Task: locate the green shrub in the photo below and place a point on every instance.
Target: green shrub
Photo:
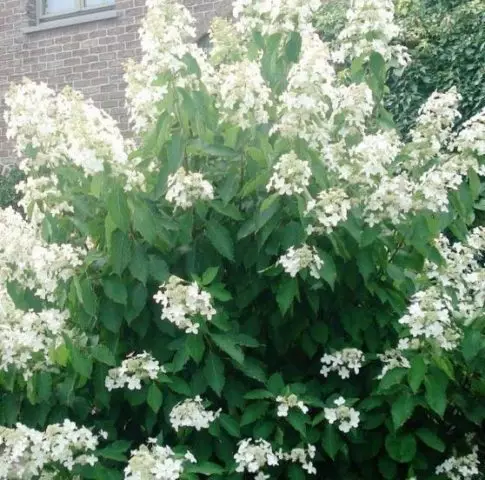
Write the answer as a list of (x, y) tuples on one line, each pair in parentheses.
[(272, 281), (8, 196)]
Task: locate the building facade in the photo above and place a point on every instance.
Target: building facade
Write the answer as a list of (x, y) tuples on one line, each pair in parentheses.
[(81, 43)]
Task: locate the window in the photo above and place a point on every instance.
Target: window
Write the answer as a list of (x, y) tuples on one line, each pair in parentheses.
[(48, 9)]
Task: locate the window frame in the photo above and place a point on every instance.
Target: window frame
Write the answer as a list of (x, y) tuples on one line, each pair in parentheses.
[(79, 11)]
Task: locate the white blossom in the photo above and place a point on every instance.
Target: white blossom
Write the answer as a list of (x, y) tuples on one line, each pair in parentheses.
[(460, 468), (275, 16), (291, 175), (346, 417), (330, 208), (393, 358), (180, 301), (471, 137), (192, 413), (298, 259), (26, 258), (370, 28), (343, 362), (156, 462), (285, 402), (132, 371), (26, 452), (303, 456), (242, 96), (186, 188), (254, 455)]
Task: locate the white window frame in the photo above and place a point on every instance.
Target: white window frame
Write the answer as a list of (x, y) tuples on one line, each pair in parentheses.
[(81, 9)]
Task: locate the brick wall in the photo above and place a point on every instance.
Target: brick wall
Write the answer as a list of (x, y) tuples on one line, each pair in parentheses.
[(87, 56)]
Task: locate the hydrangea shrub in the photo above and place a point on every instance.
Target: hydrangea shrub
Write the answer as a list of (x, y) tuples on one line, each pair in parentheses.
[(270, 283)]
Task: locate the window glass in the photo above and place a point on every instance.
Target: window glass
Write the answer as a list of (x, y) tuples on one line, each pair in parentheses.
[(60, 6), (98, 3)]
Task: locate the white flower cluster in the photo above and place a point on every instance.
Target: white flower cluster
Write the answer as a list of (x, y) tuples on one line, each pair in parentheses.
[(65, 129), (26, 452), (304, 457), (186, 188), (152, 461), (28, 338), (285, 402), (180, 301), (192, 413), (460, 468), (254, 455), (343, 362), (346, 417), (298, 259), (275, 16), (433, 126), (393, 358), (330, 208), (303, 108), (27, 259), (429, 317), (291, 175), (242, 96), (166, 34), (471, 137), (133, 370), (456, 296), (370, 28), (226, 42)]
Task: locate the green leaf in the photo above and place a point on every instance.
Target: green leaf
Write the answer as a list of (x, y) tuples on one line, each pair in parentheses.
[(391, 378), (110, 315), (227, 344), (115, 451), (144, 221), (435, 385), (253, 412), (230, 425), (118, 208), (331, 441), (276, 384), (139, 264), (80, 362), (472, 344), (259, 394), (205, 468), (154, 397), (209, 275), (120, 251), (293, 47), (297, 419), (103, 354), (329, 271), (115, 289), (416, 373), (158, 268), (220, 238), (401, 448), (287, 292), (214, 373), (402, 409), (86, 295), (431, 439), (195, 346)]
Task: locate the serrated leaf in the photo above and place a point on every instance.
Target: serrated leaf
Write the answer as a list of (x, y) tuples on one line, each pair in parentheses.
[(118, 208), (435, 385), (196, 347), (402, 409), (154, 397), (259, 394), (120, 251), (80, 362), (431, 439), (220, 238), (416, 373), (331, 441), (230, 425), (214, 372), (401, 448), (253, 412), (103, 354), (139, 264), (227, 345), (287, 293), (115, 290), (209, 275)]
